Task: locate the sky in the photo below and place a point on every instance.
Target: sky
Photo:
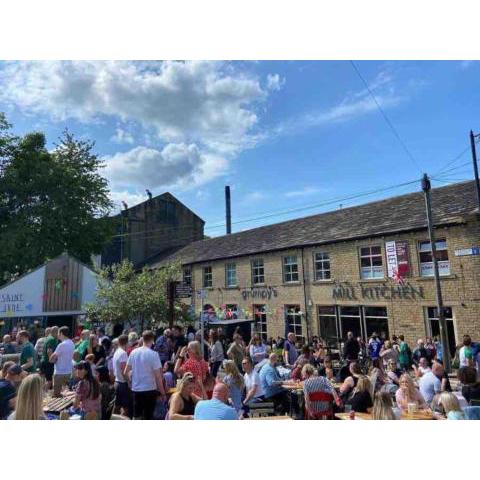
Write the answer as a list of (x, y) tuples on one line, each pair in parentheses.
[(291, 138)]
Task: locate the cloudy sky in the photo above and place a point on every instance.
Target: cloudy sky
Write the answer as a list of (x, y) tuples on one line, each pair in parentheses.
[(284, 135)]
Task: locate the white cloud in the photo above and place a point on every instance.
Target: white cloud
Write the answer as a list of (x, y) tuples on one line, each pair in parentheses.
[(353, 105), (122, 136), (274, 82), (129, 198), (202, 114), (253, 197), (304, 192)]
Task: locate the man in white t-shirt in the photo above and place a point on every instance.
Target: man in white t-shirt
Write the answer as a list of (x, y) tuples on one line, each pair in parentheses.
[(253, 385), (144, 369), (62, 357), (123, 394)]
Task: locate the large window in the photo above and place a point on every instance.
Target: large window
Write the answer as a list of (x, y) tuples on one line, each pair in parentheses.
[(260, 313), (376, 320), (258, 272), (230, 275), (371, 262), (293, 319), (426, 258), (187, 276), (290, 269), (322, 266), (207, 277), (350, 321), (433, 326), (327, 323)]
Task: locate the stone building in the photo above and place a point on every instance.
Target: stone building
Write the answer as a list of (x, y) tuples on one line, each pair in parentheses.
[(365, 268), (151, 229)]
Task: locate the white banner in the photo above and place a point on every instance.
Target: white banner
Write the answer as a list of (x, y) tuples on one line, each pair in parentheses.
[(392, 261)]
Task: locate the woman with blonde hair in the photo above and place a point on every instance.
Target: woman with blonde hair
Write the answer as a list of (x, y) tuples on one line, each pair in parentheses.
[(183, 401), (234, 381), (382, 407), (191, 360), (450, 406), (29, 404), (361, 400), (409, 393)]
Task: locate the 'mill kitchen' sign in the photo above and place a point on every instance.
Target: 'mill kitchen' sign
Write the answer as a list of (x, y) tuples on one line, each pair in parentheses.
[(347, 291)]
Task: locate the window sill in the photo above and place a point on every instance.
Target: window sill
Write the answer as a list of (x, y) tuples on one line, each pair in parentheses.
[(320, 282), (291, 284), (373, 280), (236, 287), (256, 285), (442, 277)]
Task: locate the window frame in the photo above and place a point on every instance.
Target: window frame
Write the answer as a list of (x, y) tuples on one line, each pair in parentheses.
[(420, 252), (371, 256), (322, 261), (260, 320), (204, 273), (189, 276), (253, 268), (296, 316), (292, 272), (235, 284)]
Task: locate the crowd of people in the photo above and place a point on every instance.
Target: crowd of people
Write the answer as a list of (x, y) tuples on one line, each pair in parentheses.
[(168, 375)]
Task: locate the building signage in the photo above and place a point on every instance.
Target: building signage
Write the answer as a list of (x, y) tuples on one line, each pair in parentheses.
[(12, 302), (259, 292), (467, 251), (426, 268), (397, 258), (347, 291), (182, 290)]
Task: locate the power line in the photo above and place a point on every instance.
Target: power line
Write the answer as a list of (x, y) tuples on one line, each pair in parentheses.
[(385, 117), (451, 162), (294, 210)]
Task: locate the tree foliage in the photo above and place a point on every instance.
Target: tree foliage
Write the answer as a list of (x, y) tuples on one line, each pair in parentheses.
[(125, 295), (50, 201)]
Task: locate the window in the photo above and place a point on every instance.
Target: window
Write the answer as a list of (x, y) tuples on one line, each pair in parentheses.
[(350, 321), (260, 313), (426, 259), (290, 269), (207, 277), (231, 312), (327, 323), (322, 266), (376, 320), (433, 326), (187, 276), (258, 272), (230, 275), (371, 262), (293, 320)]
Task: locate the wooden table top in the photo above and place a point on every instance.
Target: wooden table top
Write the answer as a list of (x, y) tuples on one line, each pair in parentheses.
[(279, 417), (420, 415), (289, 385)]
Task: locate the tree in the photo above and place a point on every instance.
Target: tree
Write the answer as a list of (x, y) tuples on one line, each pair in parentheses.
[(50, 202), (125, 295)]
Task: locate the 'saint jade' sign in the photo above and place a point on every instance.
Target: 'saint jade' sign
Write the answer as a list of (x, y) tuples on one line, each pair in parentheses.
[(346, 291)]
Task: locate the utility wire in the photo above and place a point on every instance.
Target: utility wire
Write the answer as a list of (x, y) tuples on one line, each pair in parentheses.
[(285, 212), (451, 162), (385, 117)]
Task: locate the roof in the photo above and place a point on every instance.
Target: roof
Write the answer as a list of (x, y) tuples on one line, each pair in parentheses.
[(450, 204)]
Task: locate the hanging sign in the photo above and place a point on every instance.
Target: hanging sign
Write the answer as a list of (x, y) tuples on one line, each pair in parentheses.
[(397, 259)]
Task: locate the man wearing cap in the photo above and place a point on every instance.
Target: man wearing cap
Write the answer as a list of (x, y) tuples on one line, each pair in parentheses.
[(8, 391)]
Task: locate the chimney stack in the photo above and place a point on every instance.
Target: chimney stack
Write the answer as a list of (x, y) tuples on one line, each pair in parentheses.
[(228, 210)]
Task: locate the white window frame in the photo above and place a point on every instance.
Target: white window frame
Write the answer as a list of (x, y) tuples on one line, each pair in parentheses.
[(373, 272), (261, 324), (319, 274), (187, 277), (297, 317), (208, 275), (255, 269), (228, 275), (290, 269), (426, 268)]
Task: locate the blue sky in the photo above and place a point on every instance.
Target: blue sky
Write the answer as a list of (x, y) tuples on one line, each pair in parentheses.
[(283, 134)]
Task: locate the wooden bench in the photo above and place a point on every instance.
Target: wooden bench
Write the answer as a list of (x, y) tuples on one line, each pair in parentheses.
[(262, 409)]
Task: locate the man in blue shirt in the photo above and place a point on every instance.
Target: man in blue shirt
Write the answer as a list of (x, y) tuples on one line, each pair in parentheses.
[(8, 391), (374, 346), (430, 383), (270, 381), (216, 408)]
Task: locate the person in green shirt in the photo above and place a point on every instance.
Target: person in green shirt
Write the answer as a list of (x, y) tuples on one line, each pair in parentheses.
[(404, 354), (27, 355), (50, 345), (82, 346)]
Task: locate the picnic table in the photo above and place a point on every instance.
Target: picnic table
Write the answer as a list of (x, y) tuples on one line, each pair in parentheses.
[(420, 415), (56, 405)]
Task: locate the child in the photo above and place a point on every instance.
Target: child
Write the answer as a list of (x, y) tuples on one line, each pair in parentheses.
[(168, 375)]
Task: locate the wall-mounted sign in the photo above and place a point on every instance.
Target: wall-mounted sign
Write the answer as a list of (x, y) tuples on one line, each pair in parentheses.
[(348, 291), (426, 268), (397, 259), (467, 251), (259, 292)]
